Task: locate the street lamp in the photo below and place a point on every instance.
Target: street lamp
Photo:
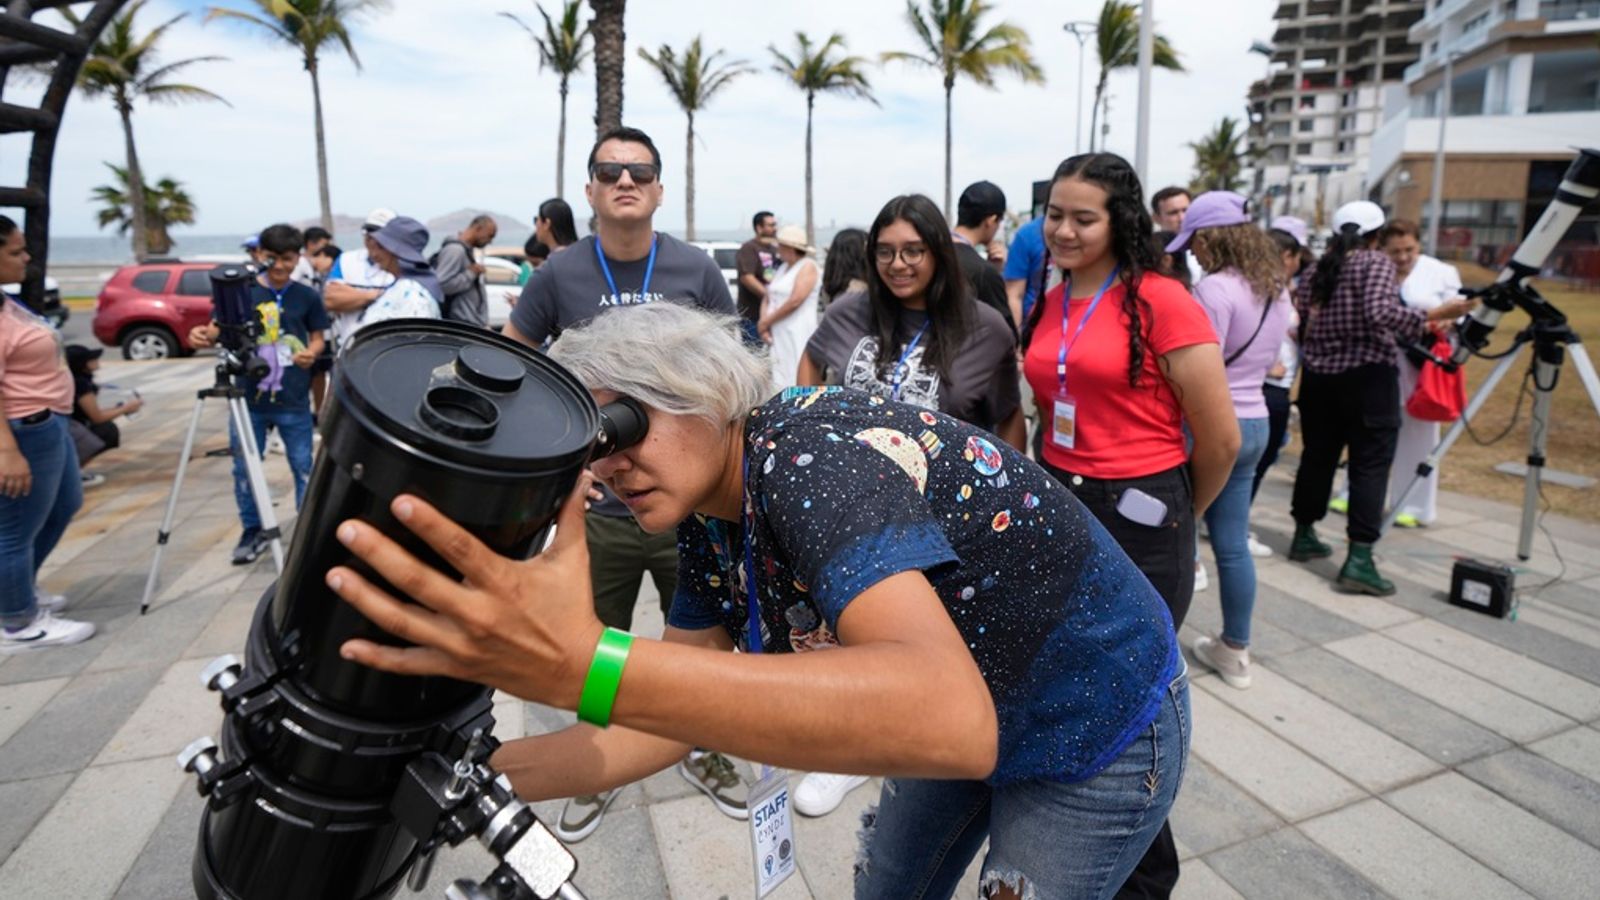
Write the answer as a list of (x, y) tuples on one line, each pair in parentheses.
[(1147, 37), (1082, 31), (1436, 201)]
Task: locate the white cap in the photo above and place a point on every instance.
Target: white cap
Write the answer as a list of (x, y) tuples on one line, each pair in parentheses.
[(378, 218), (1364, 214)]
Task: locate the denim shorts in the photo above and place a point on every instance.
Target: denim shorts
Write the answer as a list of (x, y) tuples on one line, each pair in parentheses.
[(1046, 839)]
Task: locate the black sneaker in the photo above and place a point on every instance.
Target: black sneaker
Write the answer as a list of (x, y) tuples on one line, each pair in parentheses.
[(249, 547)]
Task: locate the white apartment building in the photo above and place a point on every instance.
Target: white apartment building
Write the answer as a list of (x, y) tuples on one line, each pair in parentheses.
[(1524, 90)]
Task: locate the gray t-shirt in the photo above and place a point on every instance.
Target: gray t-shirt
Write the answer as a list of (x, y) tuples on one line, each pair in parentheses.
[(983, 387), (570, 289)]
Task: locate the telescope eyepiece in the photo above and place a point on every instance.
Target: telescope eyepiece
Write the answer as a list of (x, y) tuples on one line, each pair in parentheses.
[(623, 423)]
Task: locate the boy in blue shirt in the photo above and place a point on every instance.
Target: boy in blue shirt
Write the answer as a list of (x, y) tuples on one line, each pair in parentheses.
[(292, 319)]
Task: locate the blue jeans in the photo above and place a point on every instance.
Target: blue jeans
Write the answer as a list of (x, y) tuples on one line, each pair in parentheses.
[(30, 526), (294, 426), (1228, 517), (1046, 839)]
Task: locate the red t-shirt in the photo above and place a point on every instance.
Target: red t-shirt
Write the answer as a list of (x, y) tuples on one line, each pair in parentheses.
[(1121, 432)]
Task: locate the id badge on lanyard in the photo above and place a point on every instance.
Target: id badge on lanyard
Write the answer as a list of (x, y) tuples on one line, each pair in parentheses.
[(771, 817), (1064, 420)]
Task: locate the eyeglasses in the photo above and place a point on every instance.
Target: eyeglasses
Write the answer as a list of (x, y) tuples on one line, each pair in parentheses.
[(911, 254), (611, 172)]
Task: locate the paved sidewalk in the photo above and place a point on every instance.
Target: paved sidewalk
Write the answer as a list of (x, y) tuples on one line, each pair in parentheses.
[(1396, 747)]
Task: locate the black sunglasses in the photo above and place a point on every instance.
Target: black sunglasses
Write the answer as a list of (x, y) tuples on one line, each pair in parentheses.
[(611, 172)]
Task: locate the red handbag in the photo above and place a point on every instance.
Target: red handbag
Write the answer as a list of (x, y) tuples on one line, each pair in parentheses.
[(1441, 393)]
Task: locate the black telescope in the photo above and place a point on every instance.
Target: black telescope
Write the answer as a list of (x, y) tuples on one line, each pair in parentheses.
[(334, 780)]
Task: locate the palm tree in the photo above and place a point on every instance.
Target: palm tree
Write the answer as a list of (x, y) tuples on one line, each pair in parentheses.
[(1117, 40), (694, 79), (818, 70), (954, 43), (610, 51), (123, 65), (1218, 158), (166, 204), (562, 49), (308, 26)]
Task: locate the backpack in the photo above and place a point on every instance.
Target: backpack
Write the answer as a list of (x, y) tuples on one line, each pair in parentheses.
[(433, 263)]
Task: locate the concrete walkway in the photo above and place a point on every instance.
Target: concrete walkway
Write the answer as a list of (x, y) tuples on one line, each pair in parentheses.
[(1397, 747)]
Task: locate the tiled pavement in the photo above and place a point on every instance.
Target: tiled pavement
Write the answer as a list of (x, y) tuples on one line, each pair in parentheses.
[(1395, 747)]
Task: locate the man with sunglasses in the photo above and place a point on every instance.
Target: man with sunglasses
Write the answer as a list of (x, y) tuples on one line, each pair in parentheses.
[(624, 263)]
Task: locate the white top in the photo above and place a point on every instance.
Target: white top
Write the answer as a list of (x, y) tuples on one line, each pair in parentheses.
[(355, 269), (790, 334), (405, 299), (1430, 283)]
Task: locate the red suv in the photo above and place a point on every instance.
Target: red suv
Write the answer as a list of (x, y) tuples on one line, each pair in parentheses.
[(148, 308)]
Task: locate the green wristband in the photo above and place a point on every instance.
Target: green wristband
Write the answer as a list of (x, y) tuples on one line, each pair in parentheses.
[(605, 675)]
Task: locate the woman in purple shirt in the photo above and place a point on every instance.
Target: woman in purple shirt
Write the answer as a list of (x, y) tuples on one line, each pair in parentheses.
[(1244, 292)]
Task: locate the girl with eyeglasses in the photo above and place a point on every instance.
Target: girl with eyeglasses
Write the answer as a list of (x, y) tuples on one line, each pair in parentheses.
[(1120, 358), (917, 335)]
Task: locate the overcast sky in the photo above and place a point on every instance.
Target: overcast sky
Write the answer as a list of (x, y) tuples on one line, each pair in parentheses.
[(451, 111)]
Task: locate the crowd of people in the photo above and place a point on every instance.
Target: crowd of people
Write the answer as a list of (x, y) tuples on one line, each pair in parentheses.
[(977, 472)]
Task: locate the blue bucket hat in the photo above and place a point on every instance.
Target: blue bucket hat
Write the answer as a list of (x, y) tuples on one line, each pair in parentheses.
[(405, 237)]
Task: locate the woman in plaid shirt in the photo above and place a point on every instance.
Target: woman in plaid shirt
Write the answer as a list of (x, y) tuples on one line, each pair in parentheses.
[(1350, 395)]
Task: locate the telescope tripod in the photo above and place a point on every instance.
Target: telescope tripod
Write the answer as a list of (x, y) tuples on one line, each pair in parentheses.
[(239, 416), (1553, 341)]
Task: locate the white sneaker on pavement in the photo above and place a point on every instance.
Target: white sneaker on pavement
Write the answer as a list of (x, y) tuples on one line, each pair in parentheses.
[(714, 775), (1232, 664), (580, 816), (274, 442), (821, 793), (1202, 581), (1258, 549), (45, 631)]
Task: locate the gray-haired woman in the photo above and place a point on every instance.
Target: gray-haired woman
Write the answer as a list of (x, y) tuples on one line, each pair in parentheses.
[(949, 572)]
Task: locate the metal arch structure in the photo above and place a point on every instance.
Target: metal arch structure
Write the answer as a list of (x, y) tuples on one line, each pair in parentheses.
[(24, 42)]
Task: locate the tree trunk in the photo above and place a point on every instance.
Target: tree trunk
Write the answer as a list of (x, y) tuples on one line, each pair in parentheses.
[(949, 88), (609, 53), (688, 182), (141, 234), (1094, 113), (160, 240), (322, 147), (561, 145), (811, 224)]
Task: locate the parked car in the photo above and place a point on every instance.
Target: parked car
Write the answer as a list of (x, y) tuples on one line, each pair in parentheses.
[(726, 254), (500, 285), (148, 308), (53, 310)]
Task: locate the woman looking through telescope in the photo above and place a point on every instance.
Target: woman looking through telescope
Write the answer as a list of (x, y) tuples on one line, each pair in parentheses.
[(941, 569)]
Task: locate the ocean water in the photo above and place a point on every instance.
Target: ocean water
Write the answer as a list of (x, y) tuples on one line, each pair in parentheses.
[(113, 250)]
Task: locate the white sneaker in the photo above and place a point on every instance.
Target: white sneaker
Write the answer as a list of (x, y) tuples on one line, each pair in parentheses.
[(1258, 549), (821, 793), (48, 602), (46, 631), (580, 816), (1231, 664), (275, 442), (1202, 581)]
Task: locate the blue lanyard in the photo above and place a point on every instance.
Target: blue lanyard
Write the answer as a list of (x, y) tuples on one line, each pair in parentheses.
[(752, 639), (900, 368), (1066, 345), (276, 294), (605, 269)]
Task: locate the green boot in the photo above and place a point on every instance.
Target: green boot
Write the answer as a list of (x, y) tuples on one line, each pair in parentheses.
[(1360, 574), (1306, 546)]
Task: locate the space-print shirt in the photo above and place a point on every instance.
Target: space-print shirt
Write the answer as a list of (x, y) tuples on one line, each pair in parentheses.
[(847, 489)]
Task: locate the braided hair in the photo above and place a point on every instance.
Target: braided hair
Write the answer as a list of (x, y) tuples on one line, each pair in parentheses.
[(1326, 276), (1130, 244)]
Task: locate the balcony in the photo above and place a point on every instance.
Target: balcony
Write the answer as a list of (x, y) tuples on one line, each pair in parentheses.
[(1481, 33)]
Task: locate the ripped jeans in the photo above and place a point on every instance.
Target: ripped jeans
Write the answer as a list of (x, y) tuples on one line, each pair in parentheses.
[(1046, 839)]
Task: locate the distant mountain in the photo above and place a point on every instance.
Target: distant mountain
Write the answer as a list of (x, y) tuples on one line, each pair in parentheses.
[(342, 224), (453, 223)]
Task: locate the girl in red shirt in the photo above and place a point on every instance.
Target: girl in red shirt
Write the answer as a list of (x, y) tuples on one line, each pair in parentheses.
[(1136, 360)]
